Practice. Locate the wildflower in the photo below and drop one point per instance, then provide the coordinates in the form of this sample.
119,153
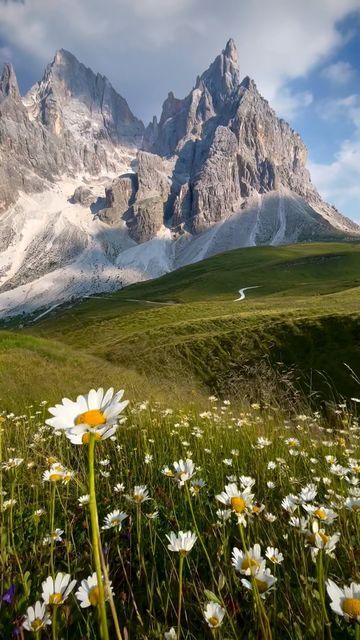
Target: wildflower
166,471
196,486
240,501
299,523
36,617
345,602
184,470
308,493
289,503
170,635
321,513
9,595
56,591
263,442
140,494
119,487
273,554
7,504
224,514
181,543
214,615
88,592
148,458
318,539
247,482
83,500
55,536
353,504
292,442
263,579
96,413
12,463
270,517
249,562
114,520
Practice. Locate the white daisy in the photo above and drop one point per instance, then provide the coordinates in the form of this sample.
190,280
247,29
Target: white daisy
184,470
249,562
36,617
88,592
170,635
274,555
214,615
182,542
345,602
321,513
114,520
264,581
56,591
139,494
94,413
240,501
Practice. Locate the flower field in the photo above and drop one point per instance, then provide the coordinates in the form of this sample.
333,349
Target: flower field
141,521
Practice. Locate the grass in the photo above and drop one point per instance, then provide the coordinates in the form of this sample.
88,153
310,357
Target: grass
281,453
186,326
169,342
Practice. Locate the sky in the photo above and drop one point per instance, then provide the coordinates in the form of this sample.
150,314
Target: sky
304,57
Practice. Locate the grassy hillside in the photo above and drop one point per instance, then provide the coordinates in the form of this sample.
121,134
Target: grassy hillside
187,326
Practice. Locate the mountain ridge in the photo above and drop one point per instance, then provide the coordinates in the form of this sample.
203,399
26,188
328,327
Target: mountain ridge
92,200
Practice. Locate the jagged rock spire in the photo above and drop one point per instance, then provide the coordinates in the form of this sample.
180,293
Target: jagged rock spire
223,75
8,83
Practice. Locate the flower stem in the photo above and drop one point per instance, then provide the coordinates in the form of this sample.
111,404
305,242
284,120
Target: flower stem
104,633
54,615
181,564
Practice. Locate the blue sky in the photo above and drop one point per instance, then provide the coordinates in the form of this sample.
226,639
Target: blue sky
304,58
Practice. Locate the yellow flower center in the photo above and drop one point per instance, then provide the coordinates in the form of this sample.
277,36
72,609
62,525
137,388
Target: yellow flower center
86,437
56,598
256,509
93,418
248,563
137,497
320,513
214,621
94,596
351,606
36,624
262,585
238,504
55,477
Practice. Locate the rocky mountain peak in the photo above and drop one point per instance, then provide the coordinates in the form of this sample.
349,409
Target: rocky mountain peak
8,83
72,98
223,75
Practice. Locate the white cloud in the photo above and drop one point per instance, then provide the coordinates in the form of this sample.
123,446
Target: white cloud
339,72
339,181
287,104
149,47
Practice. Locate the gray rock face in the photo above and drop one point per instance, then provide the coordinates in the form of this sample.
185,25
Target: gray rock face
147,218
71,121
83,196
8,83
71,96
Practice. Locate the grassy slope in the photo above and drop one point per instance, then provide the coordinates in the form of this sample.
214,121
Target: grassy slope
306,311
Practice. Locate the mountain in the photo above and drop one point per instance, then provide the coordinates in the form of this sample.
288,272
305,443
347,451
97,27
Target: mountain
92,200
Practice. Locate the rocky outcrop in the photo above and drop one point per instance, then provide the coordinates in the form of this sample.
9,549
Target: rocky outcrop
147,218
8,83
72,97
83,195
